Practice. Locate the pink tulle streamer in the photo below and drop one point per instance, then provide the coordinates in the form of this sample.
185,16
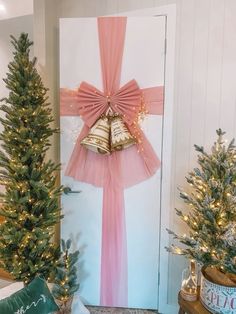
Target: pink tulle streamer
119,170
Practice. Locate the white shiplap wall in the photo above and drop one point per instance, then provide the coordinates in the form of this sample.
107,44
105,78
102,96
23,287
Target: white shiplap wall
205,94
205,89
205,81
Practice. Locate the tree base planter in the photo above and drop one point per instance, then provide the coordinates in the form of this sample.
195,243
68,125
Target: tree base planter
65,306
215,297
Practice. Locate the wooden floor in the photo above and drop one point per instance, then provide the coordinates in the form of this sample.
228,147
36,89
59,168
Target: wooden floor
99,310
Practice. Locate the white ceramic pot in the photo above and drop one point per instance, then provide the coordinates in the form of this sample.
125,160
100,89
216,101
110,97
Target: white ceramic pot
216,298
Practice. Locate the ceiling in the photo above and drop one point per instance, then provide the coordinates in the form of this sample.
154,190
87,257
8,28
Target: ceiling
14,8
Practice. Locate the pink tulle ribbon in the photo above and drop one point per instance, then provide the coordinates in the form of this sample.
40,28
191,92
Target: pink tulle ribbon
119,170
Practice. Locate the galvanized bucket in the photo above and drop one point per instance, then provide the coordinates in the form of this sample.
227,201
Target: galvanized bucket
216,298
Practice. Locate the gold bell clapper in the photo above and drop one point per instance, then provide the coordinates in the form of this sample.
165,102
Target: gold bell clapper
120,135
98,138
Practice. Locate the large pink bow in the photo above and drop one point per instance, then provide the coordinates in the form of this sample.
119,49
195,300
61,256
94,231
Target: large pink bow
93,103
120,169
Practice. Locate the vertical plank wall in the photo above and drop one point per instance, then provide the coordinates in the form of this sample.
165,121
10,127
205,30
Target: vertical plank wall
205,86
205,90
205,81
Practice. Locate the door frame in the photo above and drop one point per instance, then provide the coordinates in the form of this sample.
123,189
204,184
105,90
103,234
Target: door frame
169,11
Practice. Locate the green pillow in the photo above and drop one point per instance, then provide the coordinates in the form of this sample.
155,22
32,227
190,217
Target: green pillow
32,299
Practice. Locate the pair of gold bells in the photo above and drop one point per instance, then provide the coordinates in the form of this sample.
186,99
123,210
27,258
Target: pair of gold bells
108,134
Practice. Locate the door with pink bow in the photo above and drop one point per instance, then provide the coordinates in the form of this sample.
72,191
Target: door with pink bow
112,73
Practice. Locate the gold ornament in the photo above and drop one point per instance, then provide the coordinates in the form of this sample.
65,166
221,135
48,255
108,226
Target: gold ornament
120,135
98,138
108,134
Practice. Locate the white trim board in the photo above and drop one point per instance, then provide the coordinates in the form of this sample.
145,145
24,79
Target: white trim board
169,11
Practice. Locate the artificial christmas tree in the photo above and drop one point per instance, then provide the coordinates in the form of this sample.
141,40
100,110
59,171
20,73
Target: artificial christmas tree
212,224
66,283
30,204
212,202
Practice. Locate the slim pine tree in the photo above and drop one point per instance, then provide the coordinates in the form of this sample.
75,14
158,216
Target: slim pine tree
30,204
66,282
212,208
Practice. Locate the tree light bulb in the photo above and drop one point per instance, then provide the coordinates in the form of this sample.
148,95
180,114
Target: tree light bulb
178,251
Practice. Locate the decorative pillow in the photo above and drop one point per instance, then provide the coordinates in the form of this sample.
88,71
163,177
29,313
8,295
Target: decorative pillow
32,299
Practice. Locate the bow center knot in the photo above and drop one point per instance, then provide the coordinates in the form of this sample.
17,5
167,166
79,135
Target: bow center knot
108,97
109,100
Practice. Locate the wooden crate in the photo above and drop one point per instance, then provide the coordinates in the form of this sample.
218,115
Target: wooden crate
187,307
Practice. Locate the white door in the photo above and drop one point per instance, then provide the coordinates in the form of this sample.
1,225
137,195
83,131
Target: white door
143,60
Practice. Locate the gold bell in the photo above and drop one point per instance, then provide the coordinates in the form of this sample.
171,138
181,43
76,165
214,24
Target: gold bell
98,138
120,135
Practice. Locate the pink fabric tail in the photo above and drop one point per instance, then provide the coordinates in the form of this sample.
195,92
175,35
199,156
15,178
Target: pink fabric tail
111,31
114,288
114,291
